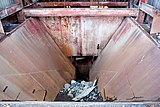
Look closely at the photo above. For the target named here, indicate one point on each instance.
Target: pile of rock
(82, 91)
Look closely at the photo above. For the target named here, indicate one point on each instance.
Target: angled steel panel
(32, 64)
(128, 67)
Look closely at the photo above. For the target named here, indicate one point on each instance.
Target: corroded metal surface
(10, 10)
(128, 67)
(79, 36)
(155, 13)
(152, 11)
(32, 66)
(54, 4)
(44, 12)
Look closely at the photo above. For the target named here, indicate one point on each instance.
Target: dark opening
(82, 65)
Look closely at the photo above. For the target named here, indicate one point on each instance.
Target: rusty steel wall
(128, 67)
(79, 36)
(32, 66)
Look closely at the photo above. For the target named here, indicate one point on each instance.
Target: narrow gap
(83, 65)
(5, 89)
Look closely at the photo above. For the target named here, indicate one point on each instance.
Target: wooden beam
(55, 4)
(43, 12)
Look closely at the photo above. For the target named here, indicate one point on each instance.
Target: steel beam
(10, 10)
(55, 4)
(155, 25)
(1, 27)
(20, 14)
(155, 13)
(80, 104)
(150, 10)
(43, 12)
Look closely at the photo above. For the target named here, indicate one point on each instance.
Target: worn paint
(44, 12)
(10, 10)
(152, 11)
(31, 60)
(128, 67)
(54, 4)
(79, 36)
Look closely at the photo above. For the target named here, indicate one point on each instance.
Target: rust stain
(129, 68)
(54, 4)
(79, 36)
(31, 60)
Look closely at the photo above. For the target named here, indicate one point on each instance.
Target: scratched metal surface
(79, 104)
(128, 67)
(31, 64)
(79, 36)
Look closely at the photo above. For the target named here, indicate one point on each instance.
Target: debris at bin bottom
(80, 92)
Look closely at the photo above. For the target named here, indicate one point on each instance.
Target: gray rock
(82, 91)
(66, 86)
(70, 95)
(73, 81)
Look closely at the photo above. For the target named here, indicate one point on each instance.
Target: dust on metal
(44, 12)
(55, 4)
